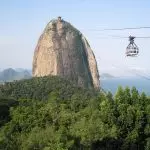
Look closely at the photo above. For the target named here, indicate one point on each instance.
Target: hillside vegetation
(51, 113)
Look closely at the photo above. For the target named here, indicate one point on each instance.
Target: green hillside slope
(51, 113)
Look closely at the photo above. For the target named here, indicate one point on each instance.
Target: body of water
(111, 84)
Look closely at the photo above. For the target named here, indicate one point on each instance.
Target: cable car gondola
(132, 49)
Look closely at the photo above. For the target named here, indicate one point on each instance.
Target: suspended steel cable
(121, 37)
(125, 68)
(124, 37)
(120, 29)
(113, 36)
(109, 29)
(142, 76)
(143, 37)
(136, 28)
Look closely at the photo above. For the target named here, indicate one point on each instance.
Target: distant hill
(12, 74)
(22, 70)
(9, 74)
(106, 75)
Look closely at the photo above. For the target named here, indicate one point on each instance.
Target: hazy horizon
(22, 23)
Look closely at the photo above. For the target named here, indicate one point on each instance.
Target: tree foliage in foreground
(53, 114)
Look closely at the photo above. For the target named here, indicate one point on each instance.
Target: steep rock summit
(62, 50)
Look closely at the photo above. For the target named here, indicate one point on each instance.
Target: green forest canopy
(51, 113)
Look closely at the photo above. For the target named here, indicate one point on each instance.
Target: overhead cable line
(125, 68)
(108, 29)
(136, 28)
(122, 37)
(147, 37)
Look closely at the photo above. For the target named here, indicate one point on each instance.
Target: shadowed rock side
(62, 50)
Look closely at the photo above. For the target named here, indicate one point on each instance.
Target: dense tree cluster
(51, 113)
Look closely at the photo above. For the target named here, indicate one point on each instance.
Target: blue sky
(22, 22)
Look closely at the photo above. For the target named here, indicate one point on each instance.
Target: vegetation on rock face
(51, 113)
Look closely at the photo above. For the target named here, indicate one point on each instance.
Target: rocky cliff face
(62, 50)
